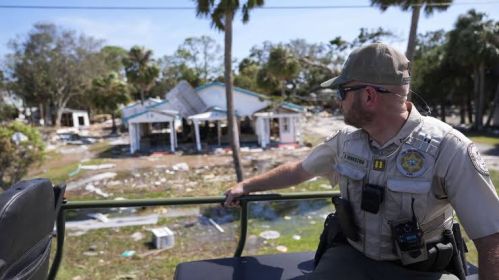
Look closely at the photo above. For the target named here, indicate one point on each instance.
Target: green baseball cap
(375, 63)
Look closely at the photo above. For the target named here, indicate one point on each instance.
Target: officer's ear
(371, 97)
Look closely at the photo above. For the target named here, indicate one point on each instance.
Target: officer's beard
(357, 116)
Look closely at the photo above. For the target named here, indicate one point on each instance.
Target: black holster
(331, 236)
(447, 255)
(457, 265)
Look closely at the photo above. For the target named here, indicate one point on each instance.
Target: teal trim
(139, 114)
(292, 106)
(238, 89)
(146, 110)
(287, 105)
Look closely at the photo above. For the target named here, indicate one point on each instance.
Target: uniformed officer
(402, 174)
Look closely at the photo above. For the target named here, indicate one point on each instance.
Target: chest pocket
(351, 181)
(401, 193)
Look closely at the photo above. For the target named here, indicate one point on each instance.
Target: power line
(50, 7)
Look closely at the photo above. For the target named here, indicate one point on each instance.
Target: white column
(198, 140)
(76, 124)
(175, 133)
(131, 136)
(299, 130)
(172, 137)
(86, 120)
(219, 133)
(259, 130)
(267, 131)
(138, 135)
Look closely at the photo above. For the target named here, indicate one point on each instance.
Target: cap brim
(334, 82)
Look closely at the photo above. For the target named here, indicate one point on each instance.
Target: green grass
(483, 138)
(313, 139)
(95, 161)
(472, 255)
(306, 230)
(107, 245)
(59, 175)
(99, 147)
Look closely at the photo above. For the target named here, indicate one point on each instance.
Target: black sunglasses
(341, 92)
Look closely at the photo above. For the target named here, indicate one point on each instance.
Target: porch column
(196, 131)
(131, 136)
(259, 130)
(219, 133)
(266, 130)
(175, 133)
(299, 130)
(76, 124)
(138, 135)
(172, 137)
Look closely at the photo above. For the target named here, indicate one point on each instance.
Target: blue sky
(164, 30)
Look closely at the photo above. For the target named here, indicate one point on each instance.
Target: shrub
(15, 158)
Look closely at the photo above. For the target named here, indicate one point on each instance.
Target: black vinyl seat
(280, 266)
(28, 211)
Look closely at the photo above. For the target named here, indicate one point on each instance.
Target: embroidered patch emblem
(379, 164)
(477, 160)
(411, 163)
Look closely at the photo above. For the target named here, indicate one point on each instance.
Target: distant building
(149, 122)
(203, 112)
(74, 118)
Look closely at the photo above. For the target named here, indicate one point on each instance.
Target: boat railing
(244, 200)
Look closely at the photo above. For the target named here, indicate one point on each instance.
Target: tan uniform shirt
(427, 161)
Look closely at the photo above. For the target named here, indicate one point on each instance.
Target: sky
(164, 30)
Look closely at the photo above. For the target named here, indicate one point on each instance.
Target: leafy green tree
(202, 54)
(7, 112)
(437, 77)
(429, 6)
(282, 67)
(141, 71)
(222, 14)
(107, 93)
(473, 44)
(18, 157)
(246, 77)
(113, 57)
(52, 66)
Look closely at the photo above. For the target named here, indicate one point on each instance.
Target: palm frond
(204, 7)
(218, 18)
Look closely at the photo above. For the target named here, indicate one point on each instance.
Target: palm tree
(283, 66)
(140, 69)
(222, 14)
(473, 44)
(107, 93)
(429, 7)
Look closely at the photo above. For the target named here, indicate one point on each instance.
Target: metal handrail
(244, 200)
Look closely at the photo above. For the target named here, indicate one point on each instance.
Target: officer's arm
(285, 175)
(488, 256)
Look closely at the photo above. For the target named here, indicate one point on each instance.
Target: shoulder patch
(477, 159)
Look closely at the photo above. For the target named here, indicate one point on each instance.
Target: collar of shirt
(413, 120)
